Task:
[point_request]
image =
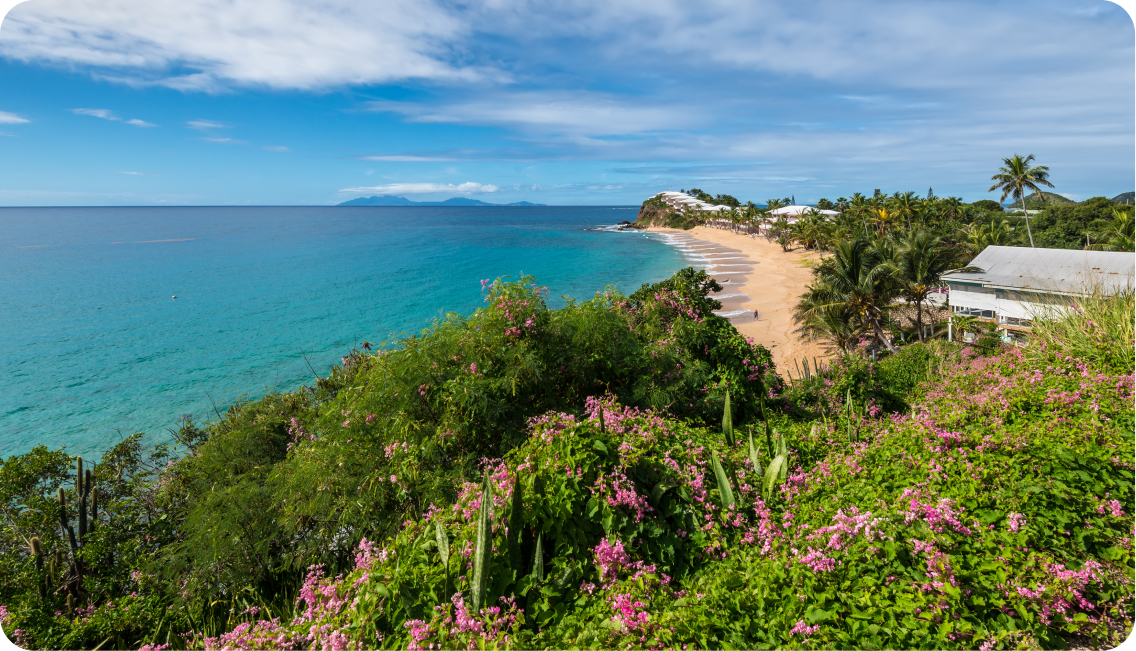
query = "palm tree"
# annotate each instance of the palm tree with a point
(882, 217)
(1118, 235)
(832, 323)
(1017, 176)
(857, 282)
(920, 263)
(997, 233)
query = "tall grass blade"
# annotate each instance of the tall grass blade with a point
(483, 547)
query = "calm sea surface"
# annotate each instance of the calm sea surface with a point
(93, 347)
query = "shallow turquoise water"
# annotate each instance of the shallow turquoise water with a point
(93, 347)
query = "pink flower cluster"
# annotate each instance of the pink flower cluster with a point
(489, 628)
(629, 612)
(801, 628)
(939, 517)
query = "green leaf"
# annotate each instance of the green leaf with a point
(516, 526)
(484, 546)
(443, 542)
(773, 473)
(725, 493)
(728, 422)
(538, 558)
(753, 457)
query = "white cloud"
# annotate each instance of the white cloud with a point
(270, 43)
(11, 118)
(276, 148)
(226, 141)
(410, 159)
(204, 125)
(425, 188)
(579, 113)
(105, 114)
(137, 174)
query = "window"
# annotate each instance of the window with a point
(1014, 321)
(973, 311)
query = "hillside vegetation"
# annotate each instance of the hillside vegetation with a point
(580, 478)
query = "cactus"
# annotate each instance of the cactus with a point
(37, 551)
(728, 422)
(482, 555)
(81, 495)
(725, 493)
(94, 508)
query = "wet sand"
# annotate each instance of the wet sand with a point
(756, 275)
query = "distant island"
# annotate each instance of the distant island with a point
(391, 200)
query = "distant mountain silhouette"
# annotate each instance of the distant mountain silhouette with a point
(1126, 198)
(391, 200)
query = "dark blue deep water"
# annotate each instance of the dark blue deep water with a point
(93, 347)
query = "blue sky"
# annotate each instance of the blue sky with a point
(205, 102)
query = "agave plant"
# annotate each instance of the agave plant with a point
(725, 493)
(484, 546)
(778, 470)
(443, 551)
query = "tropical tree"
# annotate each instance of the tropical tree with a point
(832, 323)
(920, 263)
(997, 233)
(856, 281)
(1017, 176)
(1117, 235)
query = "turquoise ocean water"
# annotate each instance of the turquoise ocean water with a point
(93, 347)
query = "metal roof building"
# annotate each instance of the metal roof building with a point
(1016, 282)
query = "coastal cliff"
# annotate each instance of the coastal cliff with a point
(656, 212)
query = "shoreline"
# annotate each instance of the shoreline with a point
(755, 275)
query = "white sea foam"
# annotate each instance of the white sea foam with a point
(734, 313)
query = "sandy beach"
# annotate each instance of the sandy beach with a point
(756, 275)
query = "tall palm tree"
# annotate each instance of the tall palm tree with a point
(857, 281)
(920, 263)
(1117, 235)
(1017, 176)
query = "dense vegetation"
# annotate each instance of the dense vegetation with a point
(531, 478)
(968, 228)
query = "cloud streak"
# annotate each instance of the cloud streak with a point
(11, 118)
(107, 114)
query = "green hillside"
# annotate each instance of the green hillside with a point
(1126, 198)
(1034, 202)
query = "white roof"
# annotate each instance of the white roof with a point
(1061, 271)
(691, 202)
(800, 210)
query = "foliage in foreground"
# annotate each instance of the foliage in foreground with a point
(996, 513)
(298, 479)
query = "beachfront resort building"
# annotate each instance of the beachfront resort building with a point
(684, 202)
(1016, 283)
